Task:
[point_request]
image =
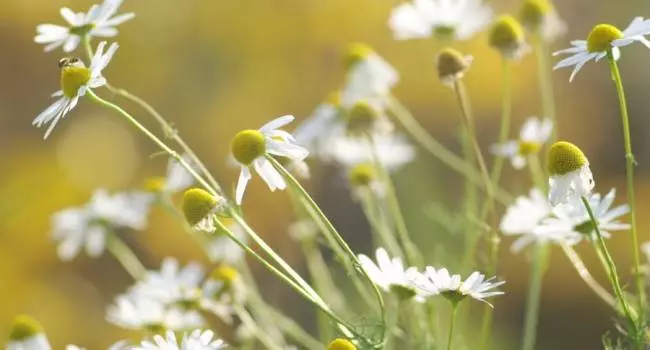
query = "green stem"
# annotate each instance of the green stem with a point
(373, 212)
(537, 173)
(452, 324)
(611, 267)
(545, 79)
(538, 268)
(295, 331)
(125, 256)
(629, 169)
(248, 321)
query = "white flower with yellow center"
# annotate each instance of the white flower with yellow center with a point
(572, 219)
(200, 207)
(532, 137)
(369, 77)
(76, 78)
(602, 39)
(507, 36)
(390, 275)
(392, 151)
(27, 334)
(540, 17)
(100, 21)
(453, 288)
(444, 19)
(136, 312)
(570, 176)
(197, 340)
(320, 124)
(250, 148)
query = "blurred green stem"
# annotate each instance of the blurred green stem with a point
(452, 324)
(629, 169)
(374, 213)
(248, 322)
(545, 79)
(537, 173)
(538, 269)
(125, 256)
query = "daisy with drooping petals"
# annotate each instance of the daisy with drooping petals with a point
(250, 147)
(604, 39)
(390, 275)
(453, 288)
(445, 19)
(76, 78)
(197, 340)
(392, 151)
(532, 137)
(570, 176)
(522, 217)
(98, 22)
(369, 76)
(133, 311)
(320, 124)
(27, 334)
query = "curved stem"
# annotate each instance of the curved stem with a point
(538, 268)
(249, 322)
(629, 170)
(125, 256)
(583, 272)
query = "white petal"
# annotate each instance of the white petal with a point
(71, 43)
(276, 123)
(244, 177)
(269, 174)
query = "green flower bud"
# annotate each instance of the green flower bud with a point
(564, 157)
(198, 204)
(341, 344)
(74, 75)
(533, 13)
(247, 146)
(452, 65)
(25, 327)
(601, 37)
(507, 35)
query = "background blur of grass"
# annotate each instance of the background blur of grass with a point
(214, 67)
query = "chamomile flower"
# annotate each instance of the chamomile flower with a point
(570, 176)
(453, 288)
(177, 178)
(444, 19)
(390, 275)
(133, 311)
(200, 207)
(250, 147)
(27, 334)
(320, 124)
(452, 65)
(369, 77)
(223, 249)
(508, 37)
(87, 227)
(76, 79)
(363, 180)
(532, 137)
(393, 151)
(523, 218)
(100, 21)
(540, 16)
(197, 340)
(602, 39)
(572, 219)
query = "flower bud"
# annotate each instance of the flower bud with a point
(564, 157)
(452, 65)
(198, 205)
(507, 36)
(25, 327)
(533, 13)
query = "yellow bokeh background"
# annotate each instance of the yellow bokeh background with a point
(214, 67)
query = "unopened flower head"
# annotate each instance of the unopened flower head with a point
(76, 79)
(443, 19)
(532, 136)
(453, 288)
(27, 334)
(341, 344)
(390, 275)
(603, 39)
(570, 176)
(199, 208)
(507, 36)
(196, 340)
(452, 65)
(250, 148)
(540, 17)
(100, 21)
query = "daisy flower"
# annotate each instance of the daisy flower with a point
(452, 66)
(177, 178)
(250, 147)
(76, 78)
(319, 125)
(453, 288)
(87, 227)
(444, 19)
(507, 36)
(603, 40)
(523, 218)
(98, 22)
(200, 207)
(571, 177)
(390, 275)
(540, 16)
(132, 311)
(392, 151)
(369, 77)
(532, 137)
(197, 340)
(572, 219)
(223, 249)
(27, 334)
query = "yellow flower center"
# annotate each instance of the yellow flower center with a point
(444, 32)
(451, 63)
(341, 344)
(534, 11)
(25, 327)
(225, 274)
(197, 205)
(361, 175)
(527, 148)
(506, 33)
(356, 53)
(73, 78)
(247, 146)
(601, 37)
(564, 157)
(155, 184)
(361, 118)
(403, 293)
(155, 328)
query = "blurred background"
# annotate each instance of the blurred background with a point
(215, 67)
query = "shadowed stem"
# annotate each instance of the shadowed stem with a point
(374, 214)
(545, 80)
(452, 324)
(629, 170)
(125, 256)
(538, 268)
(248, 321)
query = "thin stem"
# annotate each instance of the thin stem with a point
(537, 173)
(125, 256)
(629, 170)
(611, 267)
(421, 136)
(538, 268)
(295, 331)
(251, 325)
(373, 212)
(452, 324)
(545, 79)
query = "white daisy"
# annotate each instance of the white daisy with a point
(572, 219)
(98, 22)
(602, 39)
(250, 147)
(136, 312)
(369, 77)
(75, 80)
(364, 180)
(540, 16)
(223, 249)
(390, 275)
(532, 137)
(86, 227)
(319, 125)
(197, 340)
(523, 219)
(27, 334)
(570, 176)
(452, 287)
(446, 19)
(392, 151)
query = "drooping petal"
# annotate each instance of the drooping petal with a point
(244, 177)
(276, 123)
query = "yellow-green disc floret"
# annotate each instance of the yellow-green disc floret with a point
(25, 327)
(534, 11)
(450, 63)
(198, 204)
(341, 344)
(564, 157)
(356, 52)
(362, 175)
(247, 146)
(506, 33)
(601, 37)
(362, 117)
(73, 78)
